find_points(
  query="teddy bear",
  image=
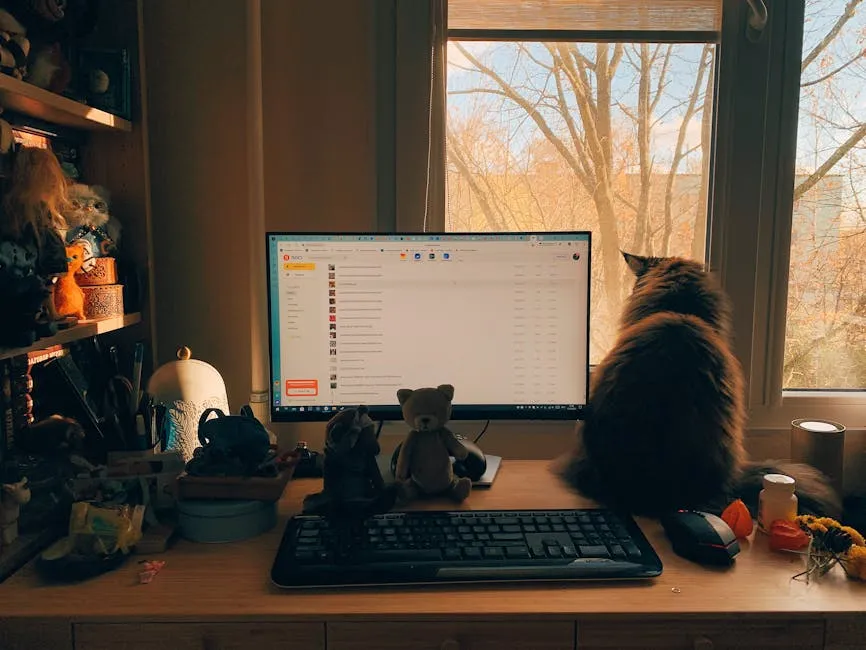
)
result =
(424, 462)
(68, 296)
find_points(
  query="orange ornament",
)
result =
(738, 517)
(787, 536)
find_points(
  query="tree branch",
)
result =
(806, 84)
(847, 15)
(828, 164)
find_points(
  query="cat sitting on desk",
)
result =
(664, 424)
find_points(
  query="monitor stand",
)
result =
(486, 480)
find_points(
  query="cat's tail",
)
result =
(815, 494)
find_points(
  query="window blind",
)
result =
(699, 19)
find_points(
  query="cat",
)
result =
(89, 208)
(666, 413)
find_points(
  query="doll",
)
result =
(88, 217)
(31, 217)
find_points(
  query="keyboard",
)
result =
(426, 547)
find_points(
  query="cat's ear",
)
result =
(638, 265)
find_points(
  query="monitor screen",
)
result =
(504, 318)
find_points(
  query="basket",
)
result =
(103, 301)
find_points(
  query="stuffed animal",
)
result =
(12, 497)
(424, 463)
(14, 46)
(353, 484)
(88, 217)
(68, 296)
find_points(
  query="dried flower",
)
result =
(856, 537)
(855, 562)
(805, 520)
(817, 527)
(829, 522)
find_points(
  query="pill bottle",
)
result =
(776, 501)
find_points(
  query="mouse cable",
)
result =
(379, 428)
(480, 435)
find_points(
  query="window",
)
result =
(669, 128)
(825, 343)
(609, 137)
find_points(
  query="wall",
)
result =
(319, 92)
(196, 73)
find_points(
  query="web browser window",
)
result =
(504, 318)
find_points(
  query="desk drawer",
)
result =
(742, 634)
(199, 636)
(558, 635)
(846, 632)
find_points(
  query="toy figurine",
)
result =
(32, 219)
(353, 484)
(424, 464)
(12, 497)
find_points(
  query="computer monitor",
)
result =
(353, 317)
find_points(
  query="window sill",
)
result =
(846, 407)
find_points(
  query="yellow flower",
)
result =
(829, 523)
(817, 527)
(855, 562)
(805, 520)
(855, 536)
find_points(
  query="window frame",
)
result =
(756, 111)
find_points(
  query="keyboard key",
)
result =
(554, 552)
(506, 537)
(569, 551)
(632, 550)
(399, 555)
(472, 553)
(598, 550)
(511, 529)
(617, 552)
(493, 553)
(517, 552)
(453, 554)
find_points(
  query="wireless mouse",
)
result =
(701, 537)
(473, 466)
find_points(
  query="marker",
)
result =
(136, 377)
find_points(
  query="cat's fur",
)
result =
(664, 424)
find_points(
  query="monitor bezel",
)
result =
(393, 413)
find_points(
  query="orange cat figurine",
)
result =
(68, 296)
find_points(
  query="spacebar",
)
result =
(398, 555)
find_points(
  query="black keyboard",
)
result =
(463, 546)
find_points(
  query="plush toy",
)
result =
(68, 296)
(14, 46)
(12, 497)
(88, 217)
(22, 294)
(353, 484)
(424, 464)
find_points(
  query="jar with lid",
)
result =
(776, 501)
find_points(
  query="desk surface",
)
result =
(231, 581)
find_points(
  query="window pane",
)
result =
(608, 137)
(825, 345)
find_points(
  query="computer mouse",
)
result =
(473, 466)
(701, 537)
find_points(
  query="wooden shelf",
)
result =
(25, 98)
(83, 330)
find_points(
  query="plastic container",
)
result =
(225, 521)
(776, 501)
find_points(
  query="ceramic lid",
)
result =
(186, 379)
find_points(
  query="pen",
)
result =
(136, 377)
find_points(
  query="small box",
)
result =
(103, 301)
(104, 272)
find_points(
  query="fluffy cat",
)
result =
(88, 207)
(664, 426)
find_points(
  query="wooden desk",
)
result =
(219, 596)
